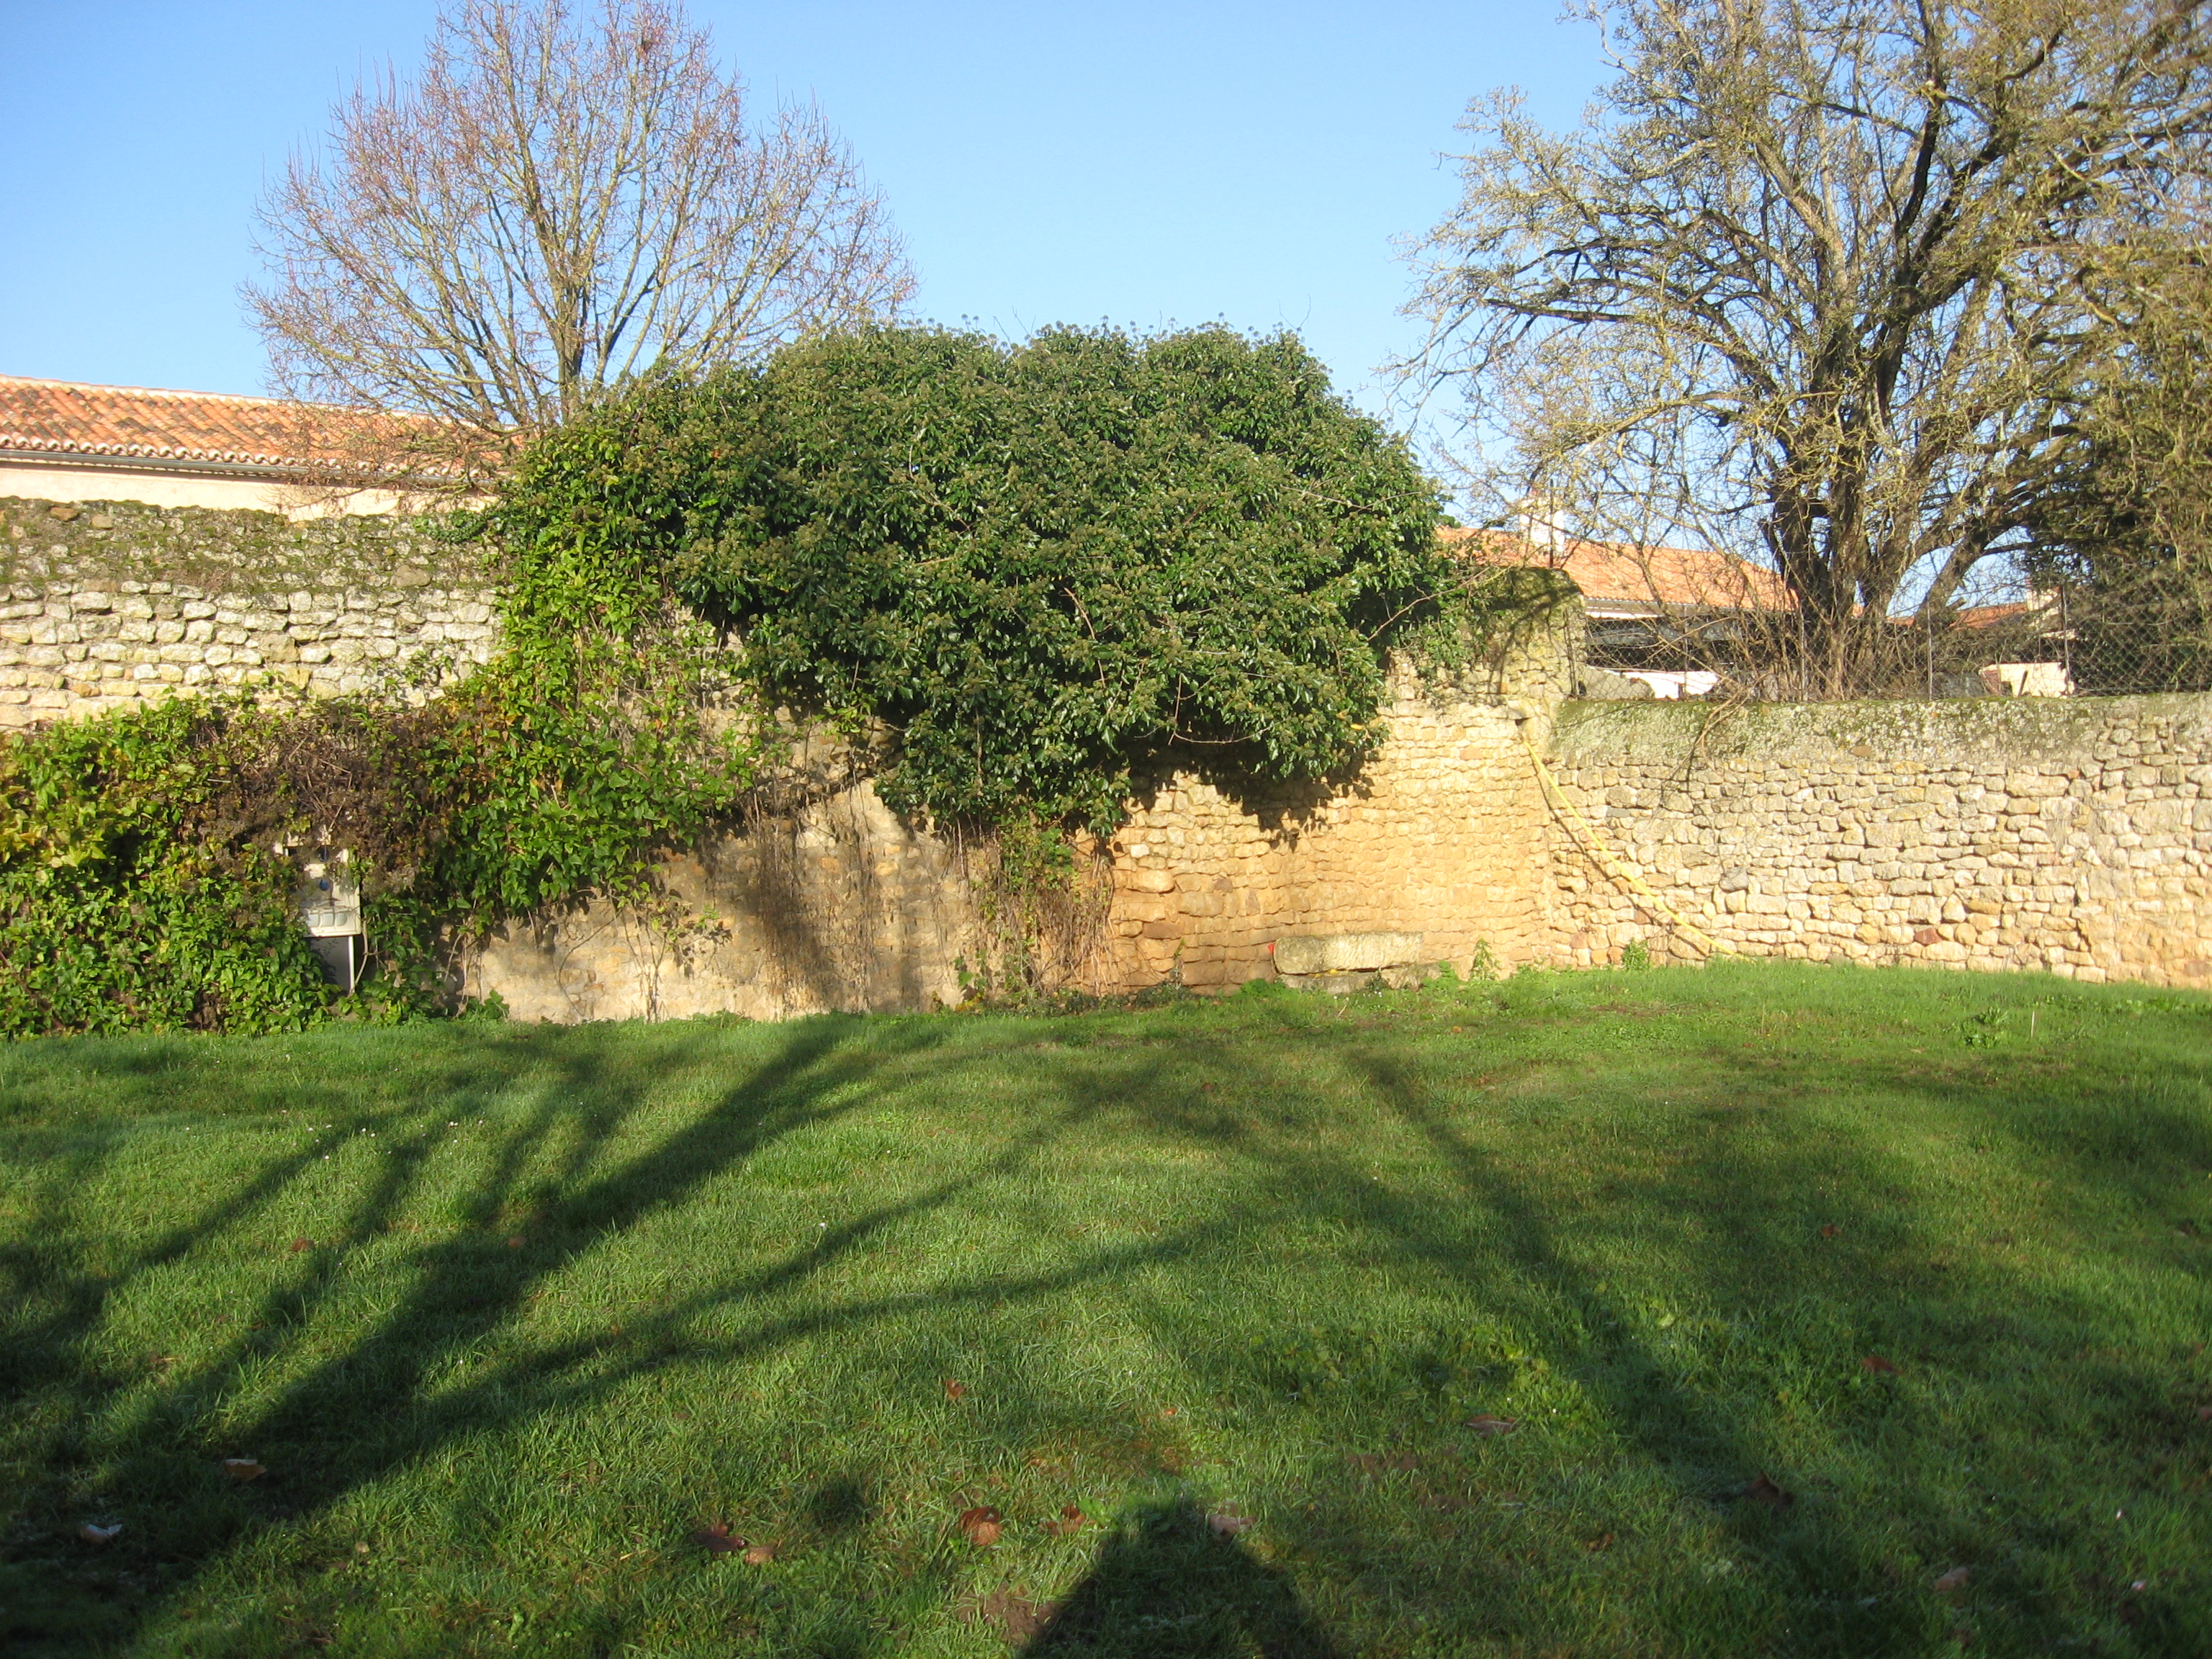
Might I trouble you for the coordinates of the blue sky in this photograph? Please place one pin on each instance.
(1140, 164)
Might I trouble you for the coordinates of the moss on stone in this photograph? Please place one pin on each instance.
(230, 550)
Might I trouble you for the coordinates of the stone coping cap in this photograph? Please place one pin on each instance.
(1346, 953)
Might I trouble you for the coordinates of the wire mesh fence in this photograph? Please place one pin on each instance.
(2055, 637)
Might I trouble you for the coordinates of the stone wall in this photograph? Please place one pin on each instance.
(1442, 834)
(2071, 835)
(834, 902)
(108, 604)
(825, 902)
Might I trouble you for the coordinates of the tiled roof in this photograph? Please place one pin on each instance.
(1646, 577)
(65, 419)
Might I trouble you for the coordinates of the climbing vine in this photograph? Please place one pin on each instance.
(1046, 573)
(1030, 579)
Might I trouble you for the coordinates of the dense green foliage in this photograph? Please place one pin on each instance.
(510, 1314)
(147, 875)
(1047, 569)
(128, 900)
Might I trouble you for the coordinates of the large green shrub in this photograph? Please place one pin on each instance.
(1049, 570)
(127, 903)
(141, 883)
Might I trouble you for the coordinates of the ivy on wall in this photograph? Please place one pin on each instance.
(1044, 574)
(141, 886)
(1050, 571)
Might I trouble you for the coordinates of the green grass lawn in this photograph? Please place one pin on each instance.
(1803, 1289)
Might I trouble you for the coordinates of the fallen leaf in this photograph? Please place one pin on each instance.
(299, 1245)
(93, 1532)
(2204, 1413)
(1071, 1519)
(1879, 1366)
(1492, 1424)
(1830, 1231)
(714, 1537)
(243, 1468)
(1226, 1523)
(1602, 1542)
(954, 1390)
(1953, 1580)
(759, 1555)
(1763, 1491)
(982, 1526)
(515, 1242)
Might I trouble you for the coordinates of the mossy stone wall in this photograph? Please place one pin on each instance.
(107, 604)
(2072, 834)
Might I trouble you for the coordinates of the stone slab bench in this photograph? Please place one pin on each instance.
(1345, 961)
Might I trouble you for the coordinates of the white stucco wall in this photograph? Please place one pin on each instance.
(164, 487)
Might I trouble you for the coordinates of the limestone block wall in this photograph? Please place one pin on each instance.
(831, 902)
(1442, 834)
(107, 604)
(835, 902)
(2071, 835)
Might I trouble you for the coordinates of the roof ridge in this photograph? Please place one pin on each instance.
(168, 392)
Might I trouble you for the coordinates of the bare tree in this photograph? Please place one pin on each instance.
(558, 200)
(1813, 281)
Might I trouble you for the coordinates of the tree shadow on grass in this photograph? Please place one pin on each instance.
(58, 1382)
(386, 1397)
(565, 1172)
(1170, 1585)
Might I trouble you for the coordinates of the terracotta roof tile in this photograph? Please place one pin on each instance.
(1644, 576)
(64, 418)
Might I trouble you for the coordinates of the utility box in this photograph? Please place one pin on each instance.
(330, 909)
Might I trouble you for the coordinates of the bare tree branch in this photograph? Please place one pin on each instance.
(1805, 285)
(563, 197)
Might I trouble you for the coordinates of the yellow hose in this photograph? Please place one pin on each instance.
(1603, 856)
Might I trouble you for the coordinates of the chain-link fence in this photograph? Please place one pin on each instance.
(2055, 637)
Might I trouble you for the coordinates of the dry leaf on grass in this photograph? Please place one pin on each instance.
(760, 1555)
(1226, 1523)
(515, 1242)
(954, 1390)
(1953, 1580)
(1830, 1231)
(93, 1532)
(1604, 1541)
(243, 1468)
(301, 1245)
(716, 1539)
(982, 1526)
(1763, 1491)
(1875, 1364)
(2204, 1413)
(1071, 1519)
(1492, 1424)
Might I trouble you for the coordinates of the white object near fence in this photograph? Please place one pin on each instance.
(2028, 679)
(329, 910)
